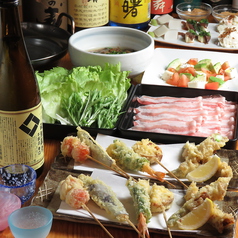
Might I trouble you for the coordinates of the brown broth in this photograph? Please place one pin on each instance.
(112, 50)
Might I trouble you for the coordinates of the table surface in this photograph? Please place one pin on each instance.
(66, 229)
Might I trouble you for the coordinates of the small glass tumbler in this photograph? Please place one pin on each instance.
(18, 179)
(8, 203)
(30, 222)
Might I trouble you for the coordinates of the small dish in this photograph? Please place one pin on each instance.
(195, 12)
(221, 11)
(32, 221)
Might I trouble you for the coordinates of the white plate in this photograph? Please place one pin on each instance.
(212, 44)
(123, 194)
(162, 57)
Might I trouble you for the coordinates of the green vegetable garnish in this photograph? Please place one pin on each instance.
(151, 33)
(154, 22)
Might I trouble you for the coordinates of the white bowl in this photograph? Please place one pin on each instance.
(84, 41)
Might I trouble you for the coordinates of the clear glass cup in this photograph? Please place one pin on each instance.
(18, 179)
(30, 222)
(8, 203)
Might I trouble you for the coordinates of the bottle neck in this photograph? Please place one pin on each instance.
(9, 18)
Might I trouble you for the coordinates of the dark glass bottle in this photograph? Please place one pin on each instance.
(21, 128)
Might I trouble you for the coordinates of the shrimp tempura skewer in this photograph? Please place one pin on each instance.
(106, 199)
(127, 158)
(142, 204)
(74, 194)
(72, 146)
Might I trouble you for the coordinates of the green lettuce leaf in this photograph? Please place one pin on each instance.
(86, 96)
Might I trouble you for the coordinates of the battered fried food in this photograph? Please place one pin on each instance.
(148, 149)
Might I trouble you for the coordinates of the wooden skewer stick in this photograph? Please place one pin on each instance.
(134, 227)
(165, 218)
(120, 171)
(103, 227)
(172, 174)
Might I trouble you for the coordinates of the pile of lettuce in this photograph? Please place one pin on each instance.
(83, 96)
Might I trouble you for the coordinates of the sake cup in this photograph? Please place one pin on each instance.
(30, 222)
(18, 179)
(8, 203)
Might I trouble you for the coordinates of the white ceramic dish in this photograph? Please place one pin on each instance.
(212, 45)
(122, 192)
(82, 42)
(163, 57)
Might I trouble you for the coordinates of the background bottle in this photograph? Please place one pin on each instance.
(159, 7)
(135, 14)
(21, 130)
(44, 11)
(89, 13)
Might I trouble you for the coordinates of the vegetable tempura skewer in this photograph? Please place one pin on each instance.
(106, 199)
(148, 149)
(98, 153)
(74, 194)
(141, 200)
(161, 198)
(127, 158)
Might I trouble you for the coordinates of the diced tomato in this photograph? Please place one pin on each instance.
(189, 70)
(174, 79)
(183, 81)
(172, 70)
(225, 65)
(221, 71)
(208, 73)
(212, 85)
(193, 61)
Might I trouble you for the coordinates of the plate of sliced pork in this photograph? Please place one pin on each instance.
(176, 115)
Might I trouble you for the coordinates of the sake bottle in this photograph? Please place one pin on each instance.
(21, 129)
(127, 13)
(89, 13)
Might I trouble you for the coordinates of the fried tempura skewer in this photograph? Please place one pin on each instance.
(127, 158)
(105, 198)
(74, 194)
(160, 198)
(148, 149)
(141, 201)
(79, 150)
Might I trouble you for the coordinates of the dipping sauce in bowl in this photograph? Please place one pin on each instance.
(221, 11)
(195, 12)
(112, 50)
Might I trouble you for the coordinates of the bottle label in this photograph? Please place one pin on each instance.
(130, 12)
(44, 11)
(161, 6)
(89, 13)
(21, 137)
